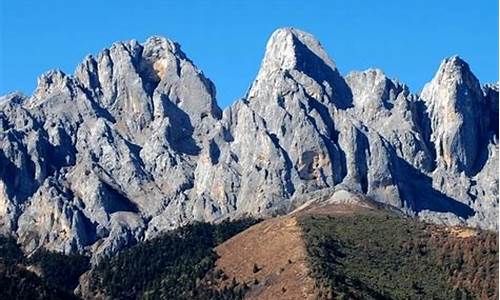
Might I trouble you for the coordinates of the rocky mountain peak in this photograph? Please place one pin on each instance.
(143, 79)
(455, 76)
(456, 103)
(157, 47)
(454, 67)
(290, 48)
(53, 81)
(161, 58)
(295, 58)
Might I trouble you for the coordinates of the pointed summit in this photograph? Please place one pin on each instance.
(290, 48)
(456, 104)
(456, 69)
(294, 53)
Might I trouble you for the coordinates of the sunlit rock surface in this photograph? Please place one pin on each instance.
(134, 143)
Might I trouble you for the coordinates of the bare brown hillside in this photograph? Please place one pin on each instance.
(270, 258)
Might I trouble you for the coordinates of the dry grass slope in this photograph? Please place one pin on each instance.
(270, 258)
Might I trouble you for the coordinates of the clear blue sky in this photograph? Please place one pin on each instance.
(226, 39)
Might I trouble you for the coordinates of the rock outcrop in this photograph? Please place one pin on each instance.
(134, 143)
(456, 107)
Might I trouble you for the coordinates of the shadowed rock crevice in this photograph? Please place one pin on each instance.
(214, 152)
(423, 122)
(20, 181)
(491, 95)
(180, 131)
(427, 198)
(149, 77)
(362, 150)
(116, 201)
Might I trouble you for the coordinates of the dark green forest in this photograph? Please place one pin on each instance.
(176, 265)
(377, 255)
(59, 273)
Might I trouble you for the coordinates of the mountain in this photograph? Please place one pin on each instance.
(134, 144)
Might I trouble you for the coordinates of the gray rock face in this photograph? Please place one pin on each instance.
(455, 104)
(134, 144)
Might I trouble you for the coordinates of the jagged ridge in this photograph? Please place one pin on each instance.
(134, 143)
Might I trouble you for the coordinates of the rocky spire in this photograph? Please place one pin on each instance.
(295, 53)
(290, 48)
(456, 107)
